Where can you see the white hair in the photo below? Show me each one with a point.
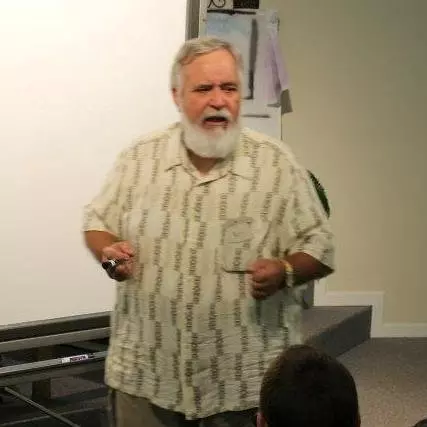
(193, 48)
(218, 143)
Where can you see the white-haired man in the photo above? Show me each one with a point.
(214, 227)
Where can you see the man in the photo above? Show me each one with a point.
(214, 227)
(305, 387)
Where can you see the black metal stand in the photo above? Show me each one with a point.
(40, 338)
(36, 371)
(41, 408)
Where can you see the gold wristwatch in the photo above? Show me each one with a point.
(289, 273)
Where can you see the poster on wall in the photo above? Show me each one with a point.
(255, 35)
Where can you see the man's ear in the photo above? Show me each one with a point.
(260, 420)
(176, 98)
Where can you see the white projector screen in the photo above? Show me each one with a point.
(79, 81)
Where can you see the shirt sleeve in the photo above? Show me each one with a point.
(105, 211)
(309, 228)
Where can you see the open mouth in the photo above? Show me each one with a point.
(215, 120)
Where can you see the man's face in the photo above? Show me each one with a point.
(209, 95)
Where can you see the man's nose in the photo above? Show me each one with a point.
(217, 100)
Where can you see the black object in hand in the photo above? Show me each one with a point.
(111, 264)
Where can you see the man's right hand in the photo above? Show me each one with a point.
(120, 251)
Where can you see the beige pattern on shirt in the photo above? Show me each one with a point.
(186, 333)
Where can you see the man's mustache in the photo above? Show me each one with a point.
(220, 114)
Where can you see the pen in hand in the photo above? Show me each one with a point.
(117, 260)
(111, 267)
(111, 264)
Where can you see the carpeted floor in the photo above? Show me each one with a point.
(391, 376)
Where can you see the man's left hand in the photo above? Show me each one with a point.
(268, 276)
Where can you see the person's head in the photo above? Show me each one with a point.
(206, 87)
(305, 387)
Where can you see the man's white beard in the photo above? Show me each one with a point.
(217, 143)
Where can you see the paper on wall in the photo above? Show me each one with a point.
(256, 37)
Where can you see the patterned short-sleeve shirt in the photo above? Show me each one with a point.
(186, 333)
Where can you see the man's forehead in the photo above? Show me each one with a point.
(215, 65)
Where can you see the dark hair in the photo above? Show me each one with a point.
(421, 423)
(305, 387)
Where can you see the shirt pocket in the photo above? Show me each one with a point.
(242, 241)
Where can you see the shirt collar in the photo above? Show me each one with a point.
(239, 164)
(175, 149)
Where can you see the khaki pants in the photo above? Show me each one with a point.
(131, 411)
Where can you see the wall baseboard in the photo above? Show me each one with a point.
(404, 330)
(379, 329)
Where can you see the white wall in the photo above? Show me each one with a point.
(79, 81)
(358, 75)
